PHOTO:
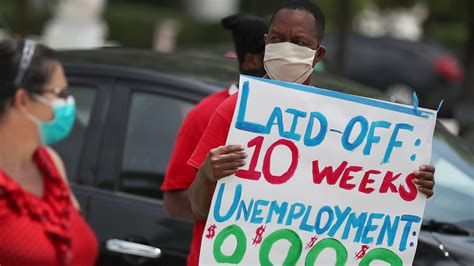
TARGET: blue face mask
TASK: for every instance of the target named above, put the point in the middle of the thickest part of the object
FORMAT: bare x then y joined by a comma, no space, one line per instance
60,126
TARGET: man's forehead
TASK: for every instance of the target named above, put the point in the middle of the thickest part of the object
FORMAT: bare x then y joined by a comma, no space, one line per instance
297,19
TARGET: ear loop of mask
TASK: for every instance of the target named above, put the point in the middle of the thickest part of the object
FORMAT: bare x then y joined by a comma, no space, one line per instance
44,101
311,70
26,56
316,53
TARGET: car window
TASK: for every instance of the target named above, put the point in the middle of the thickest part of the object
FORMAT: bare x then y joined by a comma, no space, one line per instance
70,148
454,177
153,123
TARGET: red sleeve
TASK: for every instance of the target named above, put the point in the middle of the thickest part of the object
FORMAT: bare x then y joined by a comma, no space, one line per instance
180,175
214,136
216,132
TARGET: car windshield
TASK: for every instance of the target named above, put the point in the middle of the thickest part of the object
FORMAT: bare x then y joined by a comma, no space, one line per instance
453,200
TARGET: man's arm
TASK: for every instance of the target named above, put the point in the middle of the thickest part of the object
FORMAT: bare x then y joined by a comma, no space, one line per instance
180,175
177,204
220,162
200,195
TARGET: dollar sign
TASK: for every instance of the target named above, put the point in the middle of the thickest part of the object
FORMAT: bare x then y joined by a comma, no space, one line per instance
362,251
258,238
211,231
311,242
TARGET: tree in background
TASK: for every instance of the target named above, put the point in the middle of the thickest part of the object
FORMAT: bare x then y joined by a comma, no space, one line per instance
466,112
452,25
469,72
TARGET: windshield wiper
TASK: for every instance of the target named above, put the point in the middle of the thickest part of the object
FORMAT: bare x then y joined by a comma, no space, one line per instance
444,228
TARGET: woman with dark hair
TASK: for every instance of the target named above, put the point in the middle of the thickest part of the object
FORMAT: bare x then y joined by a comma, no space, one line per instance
40,222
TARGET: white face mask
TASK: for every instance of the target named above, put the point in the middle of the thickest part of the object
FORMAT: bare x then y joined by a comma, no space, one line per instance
288,62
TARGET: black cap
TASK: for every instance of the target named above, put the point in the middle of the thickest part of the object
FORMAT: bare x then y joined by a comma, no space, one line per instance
247,31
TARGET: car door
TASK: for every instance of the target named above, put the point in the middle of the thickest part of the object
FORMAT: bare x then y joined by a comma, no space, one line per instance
127,202
79,150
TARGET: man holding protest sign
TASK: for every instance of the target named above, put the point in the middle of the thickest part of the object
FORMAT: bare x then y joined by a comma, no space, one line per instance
248,32
292,49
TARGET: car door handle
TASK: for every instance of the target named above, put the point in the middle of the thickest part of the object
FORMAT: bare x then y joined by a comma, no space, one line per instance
126,247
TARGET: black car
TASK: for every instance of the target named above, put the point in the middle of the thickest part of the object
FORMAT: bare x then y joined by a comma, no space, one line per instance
399,67
130,105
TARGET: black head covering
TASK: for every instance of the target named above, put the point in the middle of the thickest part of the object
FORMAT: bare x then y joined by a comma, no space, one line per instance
247,31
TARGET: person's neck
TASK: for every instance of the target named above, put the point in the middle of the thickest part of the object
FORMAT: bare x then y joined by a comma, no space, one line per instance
307,82
17,146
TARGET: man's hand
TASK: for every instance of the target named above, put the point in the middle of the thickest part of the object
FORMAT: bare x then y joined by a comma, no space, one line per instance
425,179
220,162
223,161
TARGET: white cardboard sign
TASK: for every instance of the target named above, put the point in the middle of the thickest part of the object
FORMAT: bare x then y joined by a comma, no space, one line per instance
328,179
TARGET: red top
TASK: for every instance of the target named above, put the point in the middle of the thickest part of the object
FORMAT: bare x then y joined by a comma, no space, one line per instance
45,230
179,174
216,132
214,136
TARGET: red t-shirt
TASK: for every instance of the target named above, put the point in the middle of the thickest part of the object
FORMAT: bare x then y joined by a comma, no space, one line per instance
214,136
179,174
216,132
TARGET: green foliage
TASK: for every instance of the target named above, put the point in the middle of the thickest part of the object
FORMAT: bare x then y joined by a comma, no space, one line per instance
451,34
260,8
132,23
386,4
134,26
10,9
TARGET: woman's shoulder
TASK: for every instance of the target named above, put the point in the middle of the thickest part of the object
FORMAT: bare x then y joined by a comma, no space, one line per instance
56,160
58,163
